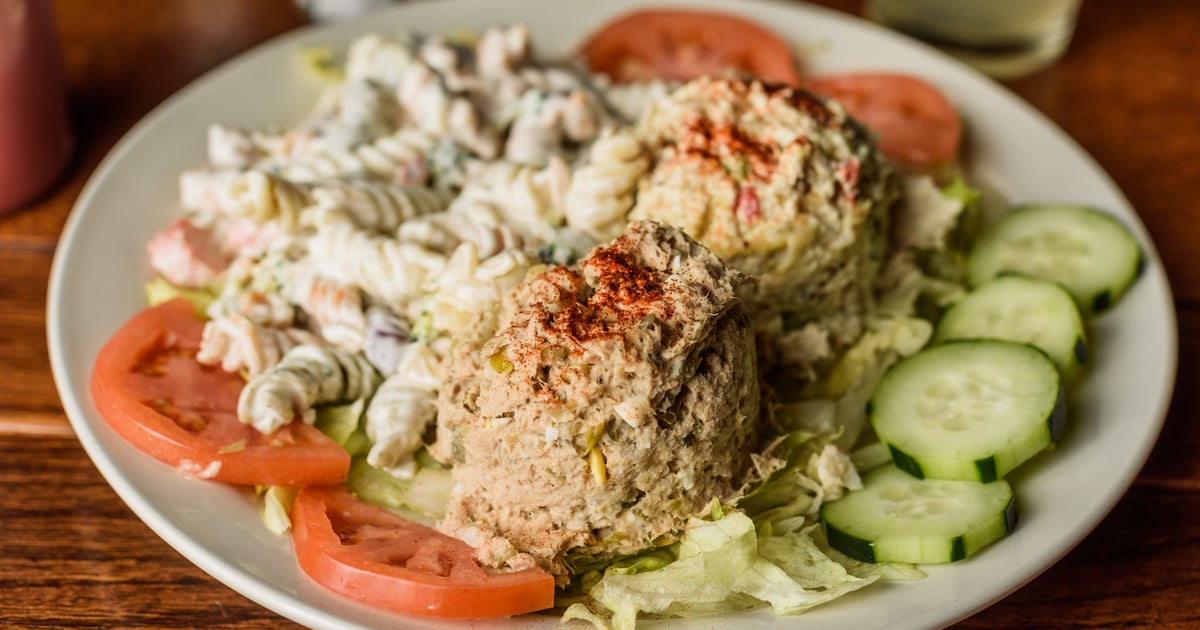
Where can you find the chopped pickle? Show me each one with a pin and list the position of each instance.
(500, 363)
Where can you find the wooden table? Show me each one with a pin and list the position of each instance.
(72, 554)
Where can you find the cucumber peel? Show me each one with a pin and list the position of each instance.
(896, 517)
(1087, 251)
(969, 410)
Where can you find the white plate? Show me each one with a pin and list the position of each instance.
(96, 285)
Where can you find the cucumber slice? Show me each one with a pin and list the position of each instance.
(1015, 308)
(896, 517)
(1087, 251)
(969, 410)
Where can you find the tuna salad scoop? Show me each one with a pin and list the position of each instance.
(616, 399)
(785, 187)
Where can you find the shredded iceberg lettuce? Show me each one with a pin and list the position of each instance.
(422, 498)
(869, 455)
(724, 566)
(277, 507)
(959, 190)
(766, 550)
(343, 424)
(712, 556)
(793, 575)
(322, 62)
(159, 290)
(838, 403)
(809, 468)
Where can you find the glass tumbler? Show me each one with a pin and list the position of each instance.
(1003, 38)
(35, 134)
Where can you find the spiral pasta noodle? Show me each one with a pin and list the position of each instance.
(477, 223)
(529, 199)
(469, 288)
(263, 198)
(427, 102)
(545, 121)
(231, 148)
(365, 110)
(306, 376)
(379, 58)
(390, 270)
(399, 157)
(239, 344)
(379, 207)
(602, 193)
(401, 409)
(264, 308)
(336, 310)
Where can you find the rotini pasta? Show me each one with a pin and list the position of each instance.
(239, 344)
(264, 308)
(629, 100)
(377, 207)
(529, 199)
(231, 148)
(399, 157)
(501, 50)
(379, 58)
(206, 190)
(602, 192)
(402, 408)
(396, 421)
(477, 223)
(429, 104)
(263, 198)
(544, 121)
(365, 110)
(334, 310)
(389, 270)
(306, 376)
(468, 288)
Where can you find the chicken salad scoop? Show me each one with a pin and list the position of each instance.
(787, 188)
(617, 398)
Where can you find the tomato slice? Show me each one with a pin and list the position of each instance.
(680, 45)
(916, 125)
(375, 556)
(150, 389)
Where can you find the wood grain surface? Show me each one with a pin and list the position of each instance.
(72, 554)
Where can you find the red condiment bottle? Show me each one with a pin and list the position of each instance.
(35, 135)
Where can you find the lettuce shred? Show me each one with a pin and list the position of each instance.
(343, 424)
(422, 499)
(277, 507)
(765, 550)
(321, 62)
(159, 290)
(725, 566)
